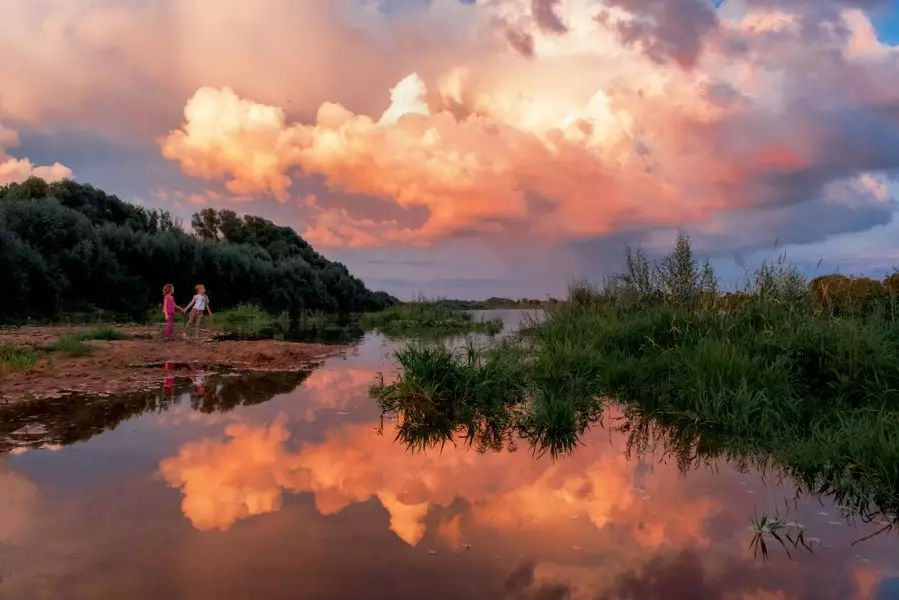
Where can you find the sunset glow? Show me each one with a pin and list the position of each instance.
(550, 122)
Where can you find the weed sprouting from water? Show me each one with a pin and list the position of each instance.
(766, 528)
(451, 393)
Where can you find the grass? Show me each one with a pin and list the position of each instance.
(245, 321)
(249, 321)
(76, 344)
(23, 358)
(428, 316)
(798, 376)
(17, 358)
(72, 345)
(102, 333)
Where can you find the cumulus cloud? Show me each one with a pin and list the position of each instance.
(15, 170)
(126, 68)
(630, 118)
(510, 120)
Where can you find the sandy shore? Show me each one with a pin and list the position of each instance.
(116, 367)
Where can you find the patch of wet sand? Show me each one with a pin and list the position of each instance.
(117, 367)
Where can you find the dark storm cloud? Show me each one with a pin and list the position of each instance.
(666, 30)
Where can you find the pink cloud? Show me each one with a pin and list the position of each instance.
(16, 170)
(629, 118)
(246, 474)
(604, 132)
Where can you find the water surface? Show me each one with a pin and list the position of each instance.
(293, 487)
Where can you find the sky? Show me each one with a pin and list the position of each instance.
(478, 148)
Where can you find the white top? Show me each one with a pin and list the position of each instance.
(199, 302)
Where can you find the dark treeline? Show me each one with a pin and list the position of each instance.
(66, 247)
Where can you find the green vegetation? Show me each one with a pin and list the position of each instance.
(24, 358)
(494, 303)
(17, 358)
(104, 333)
(76, 344)
(72, 345)
(797, 376)
(428, 316)
(247, 321)
(68, 248)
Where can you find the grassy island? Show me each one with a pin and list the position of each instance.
(425, 316)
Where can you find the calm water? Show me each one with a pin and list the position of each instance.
(283, 488)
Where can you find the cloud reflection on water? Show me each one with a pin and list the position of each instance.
(301, 494)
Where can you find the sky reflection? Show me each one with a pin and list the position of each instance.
(299, 497)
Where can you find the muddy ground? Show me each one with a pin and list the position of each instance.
(117, 367)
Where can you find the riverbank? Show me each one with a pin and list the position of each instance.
(788, 373)
(59, 361)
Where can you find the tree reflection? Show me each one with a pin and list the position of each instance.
(226, 393)
(67, 420)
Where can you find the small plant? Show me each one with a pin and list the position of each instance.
(773, 528)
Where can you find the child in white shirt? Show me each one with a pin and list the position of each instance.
(198, 304)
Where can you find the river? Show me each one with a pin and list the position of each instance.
(293, 487)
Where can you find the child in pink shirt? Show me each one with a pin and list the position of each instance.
(168, 310)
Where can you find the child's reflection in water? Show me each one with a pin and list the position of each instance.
(168, 383)
(200, 382)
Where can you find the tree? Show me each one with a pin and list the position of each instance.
(678, 275)
(206, 224)
(68, 246)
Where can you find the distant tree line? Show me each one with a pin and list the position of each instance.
(68, 247)
(494, 302)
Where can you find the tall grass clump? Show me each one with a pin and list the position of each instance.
(445, 394)
(805, 373)
(17, 358)
(71, 344)
(428, 316)
(245, 320)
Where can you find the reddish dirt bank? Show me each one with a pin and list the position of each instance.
(115, 367)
